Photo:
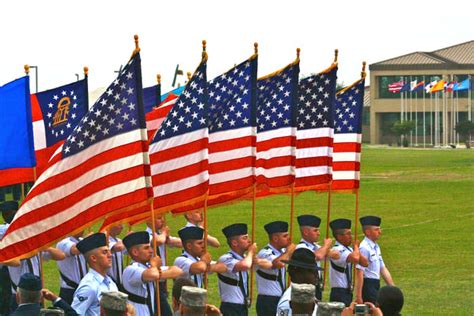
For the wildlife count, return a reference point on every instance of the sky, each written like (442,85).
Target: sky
(61,37)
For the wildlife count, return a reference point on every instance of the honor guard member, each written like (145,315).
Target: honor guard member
(87,296)
(72,269)
(195,261)
(195,219)
(271,280)
(140,276)
(28,295)
(8,210)
(340,270)
(234,283)
(117,248)
(302,269)
(309,229)
(368,278)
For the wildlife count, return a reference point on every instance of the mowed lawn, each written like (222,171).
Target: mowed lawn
(426,201)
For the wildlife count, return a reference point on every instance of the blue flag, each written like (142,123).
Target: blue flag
(461,86)
(16,132)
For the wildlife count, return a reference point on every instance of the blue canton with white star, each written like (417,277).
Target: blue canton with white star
(118,110)
(232,98)
(190,112)
(62,109)
(348,111)
(316,100)
(276,101)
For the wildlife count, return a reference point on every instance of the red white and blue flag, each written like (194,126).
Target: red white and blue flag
(179,150)
(314,136)
(276,129)
(396,86)
(348,137)
(101,168)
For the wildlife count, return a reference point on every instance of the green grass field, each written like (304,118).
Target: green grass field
(426,201)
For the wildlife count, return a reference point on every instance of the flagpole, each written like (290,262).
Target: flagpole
(205,239)
(356,226)
(416,119)
(254,204)
(424,115)
(157,282)
(411,114)
(158,90)
(328,216)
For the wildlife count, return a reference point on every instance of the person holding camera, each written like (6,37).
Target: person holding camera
(368,278)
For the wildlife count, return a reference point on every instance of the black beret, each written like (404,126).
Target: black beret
(137,238)
(235,230)
(276,227)
(191,232)
(92,242)
(370,221)
(340,223)
(309,220)
(9,206)
(30,282)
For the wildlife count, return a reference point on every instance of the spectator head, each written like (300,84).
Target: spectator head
(302,267)
(302,299)
(113,304)
(194,217)
(177,288)
(330,308)
(95,250)
(29,289)
(390,300)
(159,222)
(371,227)
(138,246)
(341,230)
(278,234)
(8,210)
(193,301)
(192,239)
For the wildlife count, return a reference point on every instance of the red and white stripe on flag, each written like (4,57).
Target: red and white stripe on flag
(155,117)
(346,161)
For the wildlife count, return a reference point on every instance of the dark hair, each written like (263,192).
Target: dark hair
(178,285)
(296,273)
(390,300)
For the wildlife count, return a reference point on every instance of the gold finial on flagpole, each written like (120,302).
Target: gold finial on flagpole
(137,46)
(255,48)
(86,71)
(298,50)
(204,53)
(158,78)
(189,75)
(363,73)
(27,69)
(336,55)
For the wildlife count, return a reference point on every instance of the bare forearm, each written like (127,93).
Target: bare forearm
(151,274)
(359,282)
(213,242)
(171,273)
(244,264)
(387,276)
(219,267)
(198,267)
(321,253)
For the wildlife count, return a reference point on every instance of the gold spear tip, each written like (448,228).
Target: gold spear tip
(158,78)
(86,71)
(189,75)
(255,47)
(363,73)
(27,69)
(204,43)
(298,50)
(336,55)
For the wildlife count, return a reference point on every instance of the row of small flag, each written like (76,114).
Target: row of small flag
(434,86)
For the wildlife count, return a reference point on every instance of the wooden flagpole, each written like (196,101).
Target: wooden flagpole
(157,282)
(356,226)
(254,204)
(328,216)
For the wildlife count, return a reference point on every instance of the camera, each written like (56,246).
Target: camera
(361,309)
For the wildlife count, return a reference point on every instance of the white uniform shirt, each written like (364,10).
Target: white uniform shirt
(25,267)
(184,262)
(117,261)
(371,251)
(313,247)
(73,266)
(283,307)
(133,283)
(339,279)
(268,287)
(86,300)
(189,224)
(230,293)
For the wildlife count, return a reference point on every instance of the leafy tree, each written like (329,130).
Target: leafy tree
(402,129)
(466,130)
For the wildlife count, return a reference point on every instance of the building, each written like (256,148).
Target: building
(435,114)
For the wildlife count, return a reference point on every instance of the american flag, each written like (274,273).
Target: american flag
(317,95)
(101,168)
(232,135)
(179,151)
(396,86)
(348,137)
(54,113)
(276,128)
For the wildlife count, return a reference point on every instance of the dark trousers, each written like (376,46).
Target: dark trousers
(232,309)
(339,294)
(164,305)
(67,295)
(319,293)
(267,305)
(370,289)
